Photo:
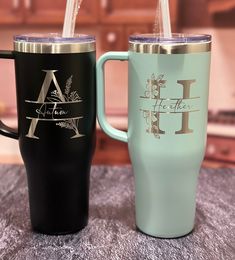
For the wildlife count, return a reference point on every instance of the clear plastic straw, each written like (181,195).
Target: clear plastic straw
(72,8)
(157,29)
(165,17)
(162,25)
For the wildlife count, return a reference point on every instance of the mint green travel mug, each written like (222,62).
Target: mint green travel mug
(167,121)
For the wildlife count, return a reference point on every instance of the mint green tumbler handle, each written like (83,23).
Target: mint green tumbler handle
(108,129)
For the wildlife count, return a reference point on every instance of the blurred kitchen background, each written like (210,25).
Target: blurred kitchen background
(112,21)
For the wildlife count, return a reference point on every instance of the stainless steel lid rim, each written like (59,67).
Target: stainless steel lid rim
(178,43)
(53,43)
(54,48)
(174,48)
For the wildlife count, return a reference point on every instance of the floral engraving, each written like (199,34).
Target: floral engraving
(153,86)
(152,92)
(67,96)
(151,119)
(71,124)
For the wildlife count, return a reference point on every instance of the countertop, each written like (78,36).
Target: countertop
(111,232)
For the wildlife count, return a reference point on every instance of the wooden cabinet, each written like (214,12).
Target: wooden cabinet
(220,149)
(115,38)
(114,19)
(52,12)
(131,17)
(110,151)
(134,11)
(112,38)
(10,12)
(128,12)
(46,12)
(135,29)
(220,152)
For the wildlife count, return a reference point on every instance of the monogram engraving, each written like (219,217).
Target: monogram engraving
(153,87)
(55,106)
(155,106)
(152,121)
(186,84)
(44,111)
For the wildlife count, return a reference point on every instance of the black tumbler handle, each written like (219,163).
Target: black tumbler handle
(5,130)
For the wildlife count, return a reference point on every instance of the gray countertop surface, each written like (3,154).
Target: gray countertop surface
(111,232)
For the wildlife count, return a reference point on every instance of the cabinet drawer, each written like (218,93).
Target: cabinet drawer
(110,151)
(221,149)
(112,38)
(52,12)
(128,12)
(10,12)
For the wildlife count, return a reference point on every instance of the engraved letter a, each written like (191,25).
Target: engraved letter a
(50,76)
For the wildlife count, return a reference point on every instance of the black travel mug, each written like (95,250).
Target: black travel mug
(55,83)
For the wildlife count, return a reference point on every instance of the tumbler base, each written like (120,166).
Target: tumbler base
(164,237)
(58,233)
